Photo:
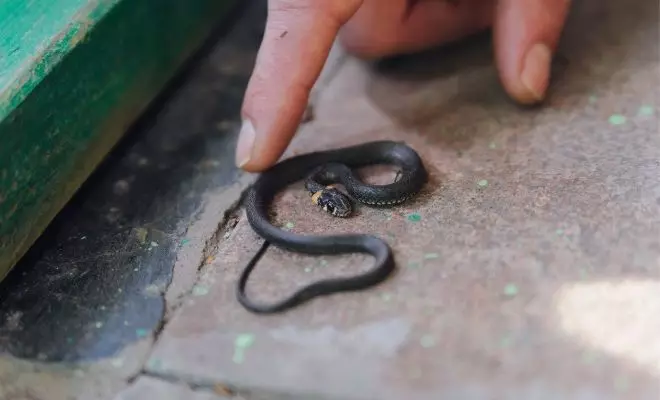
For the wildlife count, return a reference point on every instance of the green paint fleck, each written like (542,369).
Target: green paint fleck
(427,341)
(386,297)
(289,225)
(308,269)
(141,332)
(323,263)
(593,99)
(117,362)
(645,111)
(69,340)
(559,232)
(431,256)
(200,290)
(617,119)
(414,264)
(184,242)
(483,183)
(511,289)
(492,145)
(243,342)
(155,364)
(506,341)
(414,217)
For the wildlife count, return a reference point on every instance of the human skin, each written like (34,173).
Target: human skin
(300,33)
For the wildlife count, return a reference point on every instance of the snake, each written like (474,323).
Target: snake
(322,171)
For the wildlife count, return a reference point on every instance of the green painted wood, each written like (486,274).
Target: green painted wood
(74,74)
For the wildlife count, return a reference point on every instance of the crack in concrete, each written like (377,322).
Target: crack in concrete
(236,392)
(227,224)
(206,386)
(211,247)
(215,388)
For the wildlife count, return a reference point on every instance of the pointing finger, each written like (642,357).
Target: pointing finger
(298,37)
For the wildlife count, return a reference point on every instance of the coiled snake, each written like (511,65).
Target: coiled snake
(322,170)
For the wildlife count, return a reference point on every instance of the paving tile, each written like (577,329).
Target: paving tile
(99,380)
(527,268)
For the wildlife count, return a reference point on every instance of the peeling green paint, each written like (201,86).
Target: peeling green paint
(141,332)
(414,217)
(617,119)
(200,290)
(242,342)
(645,111)
(73,75)
(511,289)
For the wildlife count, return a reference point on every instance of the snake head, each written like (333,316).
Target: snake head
(333,202)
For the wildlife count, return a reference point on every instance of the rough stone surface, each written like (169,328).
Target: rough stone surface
(527,269)
(21,379)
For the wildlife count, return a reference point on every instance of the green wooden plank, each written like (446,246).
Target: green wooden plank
(74,74)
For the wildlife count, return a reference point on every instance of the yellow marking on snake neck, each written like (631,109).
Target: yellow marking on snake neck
(315,197)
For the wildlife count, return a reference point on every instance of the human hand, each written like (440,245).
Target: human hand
(299,35)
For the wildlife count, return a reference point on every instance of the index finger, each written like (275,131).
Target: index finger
(297,40)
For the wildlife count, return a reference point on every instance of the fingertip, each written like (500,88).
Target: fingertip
(246,138)
(295,46)
(526,34)
(536,72)
(531,84)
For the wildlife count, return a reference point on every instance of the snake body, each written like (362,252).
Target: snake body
(321,170)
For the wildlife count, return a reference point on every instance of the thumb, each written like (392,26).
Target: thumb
(298,37)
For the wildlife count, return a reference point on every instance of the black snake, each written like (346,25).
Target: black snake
(321,170)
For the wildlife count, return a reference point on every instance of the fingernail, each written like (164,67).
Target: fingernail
(245,143)
(536,70)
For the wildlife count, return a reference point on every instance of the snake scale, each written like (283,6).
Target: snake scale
(321,170)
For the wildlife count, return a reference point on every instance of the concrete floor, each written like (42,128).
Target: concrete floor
(527,269)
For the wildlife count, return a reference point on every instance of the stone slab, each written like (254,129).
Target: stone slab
(527,269)
(20,379)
